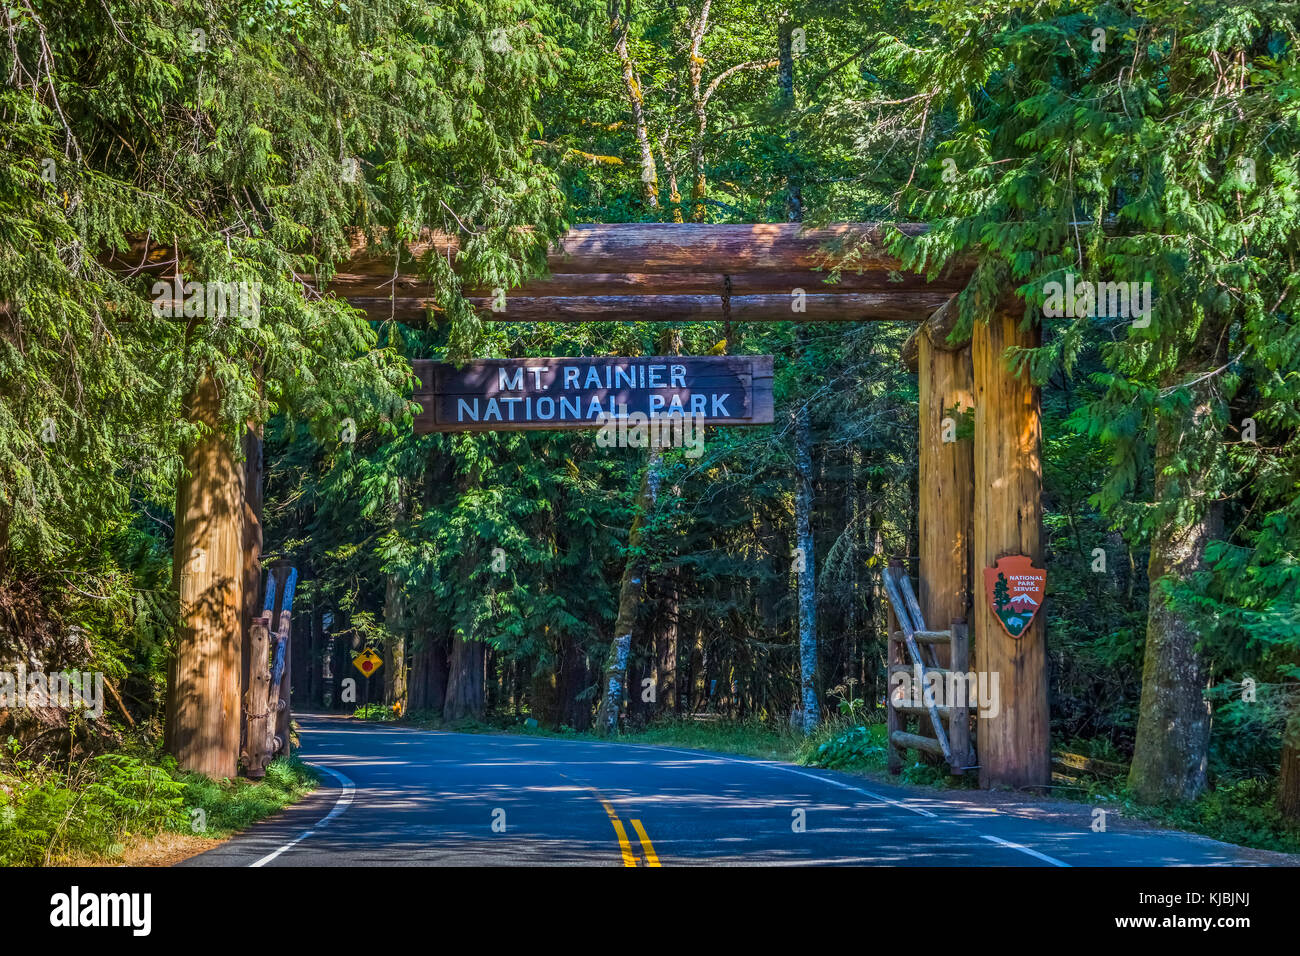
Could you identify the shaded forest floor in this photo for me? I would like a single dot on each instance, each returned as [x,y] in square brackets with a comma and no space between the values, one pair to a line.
[1242,813]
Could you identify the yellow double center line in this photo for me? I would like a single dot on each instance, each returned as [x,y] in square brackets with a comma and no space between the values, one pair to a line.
[625,845]
[629,859]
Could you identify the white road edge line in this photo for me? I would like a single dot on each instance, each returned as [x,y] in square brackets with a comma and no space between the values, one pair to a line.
[341,804]
[875,796]
[1024,849]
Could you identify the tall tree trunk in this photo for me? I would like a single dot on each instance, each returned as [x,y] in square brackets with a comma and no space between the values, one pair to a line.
[328,693]
[803,507]
[620,24]
[642,666]
[301,657]
[395,689]
[785,82]
[417,689]
[670,171]
[203,681]
[543,693]
[427,690]
[807,577]
[337,665]
[465,680]
[629,600]
[573,678]
[312,691]
[695,70]
[666,647]
[438,672]
[1171,749]
[1288,778]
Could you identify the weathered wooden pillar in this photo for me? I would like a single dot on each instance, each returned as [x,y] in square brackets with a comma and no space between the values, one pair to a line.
[1013,746]
[256,698]
[283,715]
[946,483]
[252,596]
[281,587]
[894,657]
[203,680]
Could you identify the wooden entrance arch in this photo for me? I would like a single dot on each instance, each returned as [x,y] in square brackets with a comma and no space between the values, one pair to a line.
[980,497]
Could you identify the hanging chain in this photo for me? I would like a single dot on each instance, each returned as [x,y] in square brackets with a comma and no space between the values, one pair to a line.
[726,311]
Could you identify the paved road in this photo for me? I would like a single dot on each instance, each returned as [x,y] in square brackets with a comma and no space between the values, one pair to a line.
[398,796]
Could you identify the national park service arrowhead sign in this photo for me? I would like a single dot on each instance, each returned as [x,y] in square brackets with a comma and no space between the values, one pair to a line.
[1015,591]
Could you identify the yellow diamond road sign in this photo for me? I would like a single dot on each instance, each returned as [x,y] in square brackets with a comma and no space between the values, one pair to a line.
[367,662]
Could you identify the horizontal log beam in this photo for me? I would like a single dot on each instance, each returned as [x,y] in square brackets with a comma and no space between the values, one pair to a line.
[674,272]
[572,284]
[676,247]
[926,637]
[848,307]
[945,713]
[906,741]
[910,669]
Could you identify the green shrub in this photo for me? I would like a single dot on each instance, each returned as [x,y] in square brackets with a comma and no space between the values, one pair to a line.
[98,806]
[854,748]
[95,807]
[231,805]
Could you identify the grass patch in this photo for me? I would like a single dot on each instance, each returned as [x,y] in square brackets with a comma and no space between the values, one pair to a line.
[228,806]
[376,712]
[1243,812]
[751,738]
[97,808]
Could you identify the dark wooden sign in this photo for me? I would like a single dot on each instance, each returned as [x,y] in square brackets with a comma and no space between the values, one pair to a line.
[553,393]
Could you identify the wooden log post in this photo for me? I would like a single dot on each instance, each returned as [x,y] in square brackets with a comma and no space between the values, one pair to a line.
[283,715]
[959,720]
[252,558]
[894,655]
[256,755]
[279,597]
[203,679]
[1014,745]
[946,482]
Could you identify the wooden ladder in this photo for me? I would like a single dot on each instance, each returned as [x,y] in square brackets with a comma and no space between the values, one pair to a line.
[912,651]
